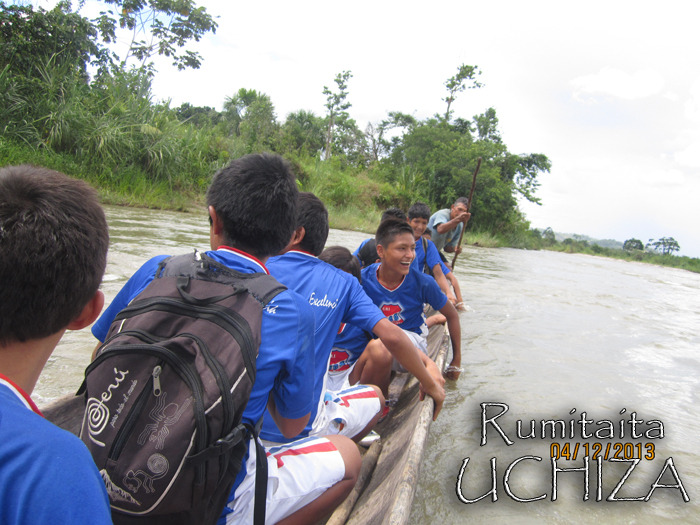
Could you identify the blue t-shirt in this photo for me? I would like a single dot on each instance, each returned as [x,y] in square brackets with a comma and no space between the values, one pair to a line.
[433,257]
[47,475]
[285,362]
[348,347]
[449,238]
[335,297]
[403,305]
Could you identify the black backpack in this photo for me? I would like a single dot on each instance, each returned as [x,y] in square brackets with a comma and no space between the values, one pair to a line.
[167,389]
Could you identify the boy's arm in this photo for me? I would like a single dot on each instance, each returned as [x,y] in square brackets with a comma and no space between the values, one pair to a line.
[289,427]
[442,283]
[455,330]
[458,292]
[407,354]
[432,368]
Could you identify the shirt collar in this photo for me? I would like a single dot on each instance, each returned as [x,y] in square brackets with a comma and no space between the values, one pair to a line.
[21,394]
[245,259]
[301,252]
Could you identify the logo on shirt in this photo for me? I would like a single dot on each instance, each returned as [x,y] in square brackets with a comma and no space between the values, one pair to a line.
[393,313]
[315,301]
[340,360]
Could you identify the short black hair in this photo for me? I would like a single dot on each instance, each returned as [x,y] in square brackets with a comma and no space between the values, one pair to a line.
[419,210]
[389,229]
[53,251]
[396,213]
[343,259]
[255,197]
[313,216]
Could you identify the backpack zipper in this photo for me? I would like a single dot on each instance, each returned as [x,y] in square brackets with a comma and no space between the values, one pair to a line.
[183,369]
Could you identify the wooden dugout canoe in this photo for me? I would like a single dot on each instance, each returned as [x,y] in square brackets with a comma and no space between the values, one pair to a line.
[386,486]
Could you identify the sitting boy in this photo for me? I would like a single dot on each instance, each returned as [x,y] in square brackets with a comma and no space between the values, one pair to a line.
[252,209]
[53,253]
[336,297]
[366,253]
[401,291]
[351,341]
[427,258]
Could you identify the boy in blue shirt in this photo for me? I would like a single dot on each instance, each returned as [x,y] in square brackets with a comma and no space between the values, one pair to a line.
[400,292]
[53,253]
[336,297]
[252,209]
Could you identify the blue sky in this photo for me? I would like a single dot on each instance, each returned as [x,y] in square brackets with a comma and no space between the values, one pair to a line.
[609,91]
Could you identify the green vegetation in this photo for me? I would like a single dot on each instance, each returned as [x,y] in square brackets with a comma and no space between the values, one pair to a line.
[69,103]
[108,129]
[658,252]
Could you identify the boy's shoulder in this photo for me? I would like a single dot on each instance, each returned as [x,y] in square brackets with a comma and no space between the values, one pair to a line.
[31,444]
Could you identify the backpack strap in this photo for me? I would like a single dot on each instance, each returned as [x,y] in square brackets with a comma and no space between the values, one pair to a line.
[426,268]
[260,482]
[262,287]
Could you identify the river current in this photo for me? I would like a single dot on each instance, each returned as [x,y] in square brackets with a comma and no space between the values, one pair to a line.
[605,350]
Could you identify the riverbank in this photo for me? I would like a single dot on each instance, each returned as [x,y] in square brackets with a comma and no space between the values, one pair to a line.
[130,188]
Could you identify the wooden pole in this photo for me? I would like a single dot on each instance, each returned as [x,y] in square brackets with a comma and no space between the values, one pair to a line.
[469,205]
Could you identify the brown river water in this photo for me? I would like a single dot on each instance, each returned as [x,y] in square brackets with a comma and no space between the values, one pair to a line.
[554,337]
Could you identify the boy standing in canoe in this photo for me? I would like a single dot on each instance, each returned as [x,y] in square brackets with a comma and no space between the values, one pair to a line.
[53,253]
[446,225]
[336,297]
[252,210]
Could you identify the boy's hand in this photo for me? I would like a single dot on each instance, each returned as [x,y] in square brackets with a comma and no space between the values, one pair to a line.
[437,393]
[464,217]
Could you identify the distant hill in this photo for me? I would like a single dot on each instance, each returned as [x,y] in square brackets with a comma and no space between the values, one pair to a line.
[604,243]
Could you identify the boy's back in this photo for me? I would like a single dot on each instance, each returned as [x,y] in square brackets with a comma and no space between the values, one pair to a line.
[335,297]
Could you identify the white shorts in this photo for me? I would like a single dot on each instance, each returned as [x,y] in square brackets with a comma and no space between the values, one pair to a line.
[298,473]
[347,412]
[419,341]
[339,380]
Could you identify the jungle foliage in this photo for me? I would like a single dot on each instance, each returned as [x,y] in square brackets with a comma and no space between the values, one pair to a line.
[67,101]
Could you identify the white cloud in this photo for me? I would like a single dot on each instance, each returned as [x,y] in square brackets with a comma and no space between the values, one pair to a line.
[619,84]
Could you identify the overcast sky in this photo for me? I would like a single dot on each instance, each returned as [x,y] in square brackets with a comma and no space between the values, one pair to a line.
[609,91]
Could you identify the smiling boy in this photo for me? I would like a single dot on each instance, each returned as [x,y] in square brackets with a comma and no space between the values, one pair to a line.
[400,292]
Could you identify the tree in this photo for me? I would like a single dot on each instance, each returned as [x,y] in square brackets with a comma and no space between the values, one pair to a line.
[251,116]
[487,126]
[464,79]
[158,27]
[302,133]
[633,244]
[548,236]
[30,39]
[199,116]
[337,106]
[665,245]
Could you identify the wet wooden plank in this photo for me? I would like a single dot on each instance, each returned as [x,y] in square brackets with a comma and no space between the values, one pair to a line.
[389,494]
